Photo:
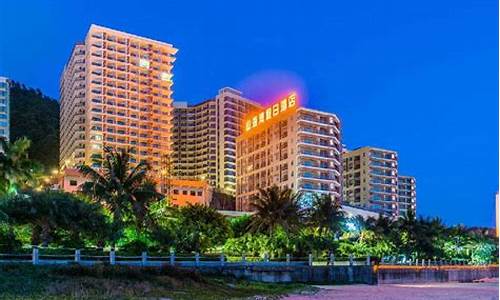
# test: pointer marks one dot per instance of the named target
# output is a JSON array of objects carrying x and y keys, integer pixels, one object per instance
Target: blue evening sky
[{"x": 419, "y": 77}]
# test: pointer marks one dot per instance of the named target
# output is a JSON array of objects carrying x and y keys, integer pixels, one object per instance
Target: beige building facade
[
  {"x": 289, "y": 146},
  {"x": 116, "y": 91},
  {"x": 204, "y": 138},
  {"x": 371, "y": 181}
]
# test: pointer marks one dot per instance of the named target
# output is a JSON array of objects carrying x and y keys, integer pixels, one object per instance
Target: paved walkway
[{"x": 435, "y": 291}]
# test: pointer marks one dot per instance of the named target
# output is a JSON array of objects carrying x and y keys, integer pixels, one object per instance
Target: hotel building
[
  {"x": 289, "y": 146},
  {"x": 4, "y": 107},
  {"x": 204, "y": 138},
  {"x": 116, "y": 91},
  {"x": 407, "y": 194},
  {"x": 371, "y": 179}
]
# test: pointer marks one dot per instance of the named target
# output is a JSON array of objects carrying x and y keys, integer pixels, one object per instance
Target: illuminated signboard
[{"x": 271, "y": 112}]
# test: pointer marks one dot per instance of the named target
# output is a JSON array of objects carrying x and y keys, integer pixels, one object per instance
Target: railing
[{"x": 92, "y": 257}]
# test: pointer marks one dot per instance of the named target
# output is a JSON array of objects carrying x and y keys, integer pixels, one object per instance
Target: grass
[{"x": 18, "y": 281}]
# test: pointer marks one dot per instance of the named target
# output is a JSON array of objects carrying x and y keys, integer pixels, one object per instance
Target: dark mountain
[{"x": 36, "y": 117}]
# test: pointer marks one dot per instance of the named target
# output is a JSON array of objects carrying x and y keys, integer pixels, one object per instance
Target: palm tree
[
  {"x": 274, "y": 208},
  {"x": 120, "y": 187},
  {"x": 326, "y": 214},
  {"x": 16, "y": 169}
]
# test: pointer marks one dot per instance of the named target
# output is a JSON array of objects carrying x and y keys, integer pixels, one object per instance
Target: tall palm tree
[
  {"x": 120, "y": 187},
  {"x": 16, "y": 169},
  {"x": 326, "y": 214},
  {"x": 275, "y": 207}
]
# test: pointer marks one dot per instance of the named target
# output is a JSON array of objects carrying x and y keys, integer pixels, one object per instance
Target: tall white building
[
  {"x": 116, "y": 92},
  {"x": 4, "y": 108},
  {"x": 204, "y": 138}
]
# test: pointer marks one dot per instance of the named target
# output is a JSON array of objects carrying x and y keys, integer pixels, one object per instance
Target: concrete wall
[
  {"x": 408, "y": 274},
  {"x": 305, "y": 274},
  {"x": 356, "y": 274}
]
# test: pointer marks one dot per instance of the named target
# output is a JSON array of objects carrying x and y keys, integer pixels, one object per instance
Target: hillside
[{"x": 36, "y": 116}]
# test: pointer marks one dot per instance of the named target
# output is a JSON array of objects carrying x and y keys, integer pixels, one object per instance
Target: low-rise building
[{"x": 183, "y": 192}]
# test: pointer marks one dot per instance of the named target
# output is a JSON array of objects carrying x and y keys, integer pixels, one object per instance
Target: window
[
  {"x": 176, "y": 192},
  {"x": 184, "y": 192},
  {"x": 200, "y": 194},
  {"x": 73, "y": 182},
  {"x": 192, "y": 193}
]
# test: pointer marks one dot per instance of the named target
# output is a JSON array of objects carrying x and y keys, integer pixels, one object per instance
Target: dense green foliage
[
  {"x": 16, "y": 169},
  {"x": 120, "y": 208},
  {"x": 56, "y": 216},
  {"x": 36, "y": 117},
  {"x": 122, "y": 188}
]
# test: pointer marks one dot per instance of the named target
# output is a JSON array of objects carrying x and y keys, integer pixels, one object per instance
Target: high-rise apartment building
[
  {"x": 116, "y": 91},
  {"x": 194, "y": 141},
  {"x": 204, "y": 138},
  {"x": 4, "y": 108},
  {"x": 371, "y": 179},
  {"x": 289, "y": 146},
  {"x": 407, "y": 194}
]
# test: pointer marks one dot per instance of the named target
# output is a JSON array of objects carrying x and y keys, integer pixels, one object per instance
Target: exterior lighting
[
  {"x": 276, "y": 109},
  {"x": 144, "y": 63},
  {"x": 165, "y": 76}
]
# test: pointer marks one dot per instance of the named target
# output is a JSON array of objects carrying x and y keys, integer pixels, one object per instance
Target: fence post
[
  {"x": 416, "y": 261},
  {"x": 350, "y": 269},
  {"x": 197, "y": 259},
  {"x": 429, "y": 262},
  {"x": 34, "y": 256},
  {"x": 112, "y": 257},
  {"x": 423, "y": 262},
  {"x": 266, "y": 257},
  {"x": 310, "y": 261},
  {"x": 368, "y": 262},
  {"x": 287, "y": 258},
  {"x": 77, "y": 255},
  {"x": 172, "y": 257},
  {"x": 332, "y": 259},
  {"x": 222, "y": 259},
  {"x": 144, "y": 258},
  {"x": 243, "y": 259}
]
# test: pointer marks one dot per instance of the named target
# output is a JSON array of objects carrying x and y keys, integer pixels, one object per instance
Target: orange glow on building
[{"x": 286, "y": 104}]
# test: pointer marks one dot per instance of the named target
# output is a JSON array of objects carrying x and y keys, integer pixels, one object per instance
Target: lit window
[
  {"x": 144, "y": 63},
  {"x": 165, "y": 76}
]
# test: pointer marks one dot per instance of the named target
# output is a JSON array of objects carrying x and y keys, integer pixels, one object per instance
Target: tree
[
  {"x": 36, "y": 117},
  {"x": 200, "y": 227},
  {"x": 16, "y": 169},
  {"x": 121, "y": 188},
  {"x": 325, "y": 214},
  {"x": 274, "y": 208},
  {"x": 48, "y": 212}
]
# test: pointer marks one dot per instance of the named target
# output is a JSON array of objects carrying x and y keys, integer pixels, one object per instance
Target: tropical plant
[
  {"x": 325, "y": 214},
  {"x": 275, "y": 207},
  {"x": 200, "y": 228},
  {"x": 50, "y": 212},
  {"x": 121, "y": 188},
  {"x": 16, "y": 169}
]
